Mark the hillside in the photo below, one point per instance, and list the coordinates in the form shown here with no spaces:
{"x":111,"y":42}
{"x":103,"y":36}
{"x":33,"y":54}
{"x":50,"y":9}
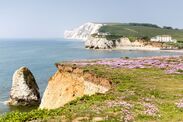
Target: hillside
{"x":107,"y":35}
{"x":139,"y":30}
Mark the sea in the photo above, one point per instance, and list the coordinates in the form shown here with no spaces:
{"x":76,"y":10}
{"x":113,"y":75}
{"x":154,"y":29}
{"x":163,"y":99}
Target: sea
{"x":40,"y":55}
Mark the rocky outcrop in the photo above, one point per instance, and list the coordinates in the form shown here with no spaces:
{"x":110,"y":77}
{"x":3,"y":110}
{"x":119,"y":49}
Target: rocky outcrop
{"x":83,"y":32}
{"x":98,"y":43}
{"x":24,"y":89}
{"x":122,"y":43}
{"x":69,"y":83}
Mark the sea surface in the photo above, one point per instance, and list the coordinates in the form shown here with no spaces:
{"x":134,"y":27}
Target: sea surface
{"x":39,"y":55}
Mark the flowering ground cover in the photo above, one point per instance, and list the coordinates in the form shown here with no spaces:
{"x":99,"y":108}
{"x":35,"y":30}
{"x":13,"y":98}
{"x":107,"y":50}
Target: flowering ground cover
{"x":169,"y":64}
{"x":144,"y":90}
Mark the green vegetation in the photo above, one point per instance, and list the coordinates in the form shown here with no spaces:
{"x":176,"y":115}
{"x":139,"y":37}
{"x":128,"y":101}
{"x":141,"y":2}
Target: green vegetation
{"x":179,"y":44}
{"x":131,"y":90}
{"x":135,"y":30}
{"x":145,"y":24}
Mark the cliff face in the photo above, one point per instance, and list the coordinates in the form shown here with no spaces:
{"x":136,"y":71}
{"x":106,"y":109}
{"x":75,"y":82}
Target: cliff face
{"x":69,"y":83}
{"x":83,"y":32}
{"x":98,"y":43}
{"x":122,"y":43}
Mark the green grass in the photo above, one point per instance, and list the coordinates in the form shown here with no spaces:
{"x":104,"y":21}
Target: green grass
{"x":129,"y":85}
{"x":133,"y":32}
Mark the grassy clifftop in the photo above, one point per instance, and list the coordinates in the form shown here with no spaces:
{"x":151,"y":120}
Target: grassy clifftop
{"x":140,"y":30}
{"x":133,"y":97}
{"x":138,"y":94}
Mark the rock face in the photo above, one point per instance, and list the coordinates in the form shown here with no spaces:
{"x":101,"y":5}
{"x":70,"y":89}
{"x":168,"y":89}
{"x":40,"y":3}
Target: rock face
{"x":98,"y":43}
{"x":83,"y":32}
{"x":24,"y":89}
{"x":69,"y":83}
{"x":122,"y":43}
{"x":94,"y":39}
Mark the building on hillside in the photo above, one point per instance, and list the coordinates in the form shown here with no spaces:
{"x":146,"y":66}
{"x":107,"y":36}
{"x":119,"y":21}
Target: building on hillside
{"x":101,"y":34}
{"x":163,"y":38}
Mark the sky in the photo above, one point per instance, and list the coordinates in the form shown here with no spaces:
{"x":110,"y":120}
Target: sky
{"x":49,"y":18}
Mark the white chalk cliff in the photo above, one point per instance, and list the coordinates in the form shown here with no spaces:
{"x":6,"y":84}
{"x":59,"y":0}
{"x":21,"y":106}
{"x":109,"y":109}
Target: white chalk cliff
{"x":83,"y":32}
{"x":99,"y":41}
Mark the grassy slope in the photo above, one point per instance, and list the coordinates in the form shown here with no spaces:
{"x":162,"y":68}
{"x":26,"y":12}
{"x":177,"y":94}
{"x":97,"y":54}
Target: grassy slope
{"x":140,"y":31}
{"x":130,"y":85}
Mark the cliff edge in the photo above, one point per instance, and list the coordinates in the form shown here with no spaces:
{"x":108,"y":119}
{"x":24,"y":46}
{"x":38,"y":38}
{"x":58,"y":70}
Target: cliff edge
{"x":83,"y":32}
{"x":69,"y":83}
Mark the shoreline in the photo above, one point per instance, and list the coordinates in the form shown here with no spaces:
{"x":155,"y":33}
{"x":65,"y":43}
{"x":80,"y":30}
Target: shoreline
{"x":139,"y":49}
{"x":178,"y":51}
{"x":131,"y":69}
{"x":129,"y":48}
{"x":135,"y":48}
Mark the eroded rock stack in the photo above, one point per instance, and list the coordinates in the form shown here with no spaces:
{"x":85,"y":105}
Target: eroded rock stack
{"x":24,"y":89}
{"x":69,"y":83}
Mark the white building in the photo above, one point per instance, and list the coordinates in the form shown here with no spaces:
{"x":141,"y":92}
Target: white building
{"x":163,"y":38}
{"x":103,"y":34}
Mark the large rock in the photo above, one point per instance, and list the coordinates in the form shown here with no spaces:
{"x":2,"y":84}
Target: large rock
{"x":123,"y":42}
{"x":24,"y":89}
{"x":69,"y":83}
{"x":99,"y":43}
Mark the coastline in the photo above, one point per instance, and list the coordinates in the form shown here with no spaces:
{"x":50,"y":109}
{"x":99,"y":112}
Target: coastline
{"x":49,"y":61}
{"x":130,"y":48}
{"x":139,"y":49}
{"x":119,"y":72}
{"x":98,"y":40}
{"x":178,"y":51}
{"x":147,"y":49}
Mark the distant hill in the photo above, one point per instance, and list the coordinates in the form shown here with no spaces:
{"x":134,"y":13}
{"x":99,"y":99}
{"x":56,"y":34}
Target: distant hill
{"x":98,"y":32}
{"x":140,"y":30}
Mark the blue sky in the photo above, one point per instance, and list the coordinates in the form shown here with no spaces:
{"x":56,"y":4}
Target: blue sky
{"x":49,"y":18}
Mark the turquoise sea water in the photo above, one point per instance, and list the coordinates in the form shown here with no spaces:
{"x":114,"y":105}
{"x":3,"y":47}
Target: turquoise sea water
{"x":40,"y":55}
